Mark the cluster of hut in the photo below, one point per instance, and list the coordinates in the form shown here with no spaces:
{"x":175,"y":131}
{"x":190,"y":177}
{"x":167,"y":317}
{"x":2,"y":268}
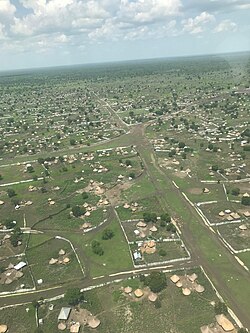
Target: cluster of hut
{"x":63,"y":258}
{"x":140,"y":293}
{"x":72,"y":319}
{"x":134,"y":206}
{"x":12,"y":273}
{"x":188,"y":283}
{"x":228,"y":215}
{"x":144,"y":229}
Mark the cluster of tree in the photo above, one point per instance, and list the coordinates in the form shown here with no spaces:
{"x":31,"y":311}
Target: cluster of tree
{"x":16,"y":236}
{"x":73,"y":296}
{"x":78,"y":211}
{"x":245,"y":201}
{"x":10,"y":192}
{"x":156,"y":281}
{"x":235,"y":191}
{"x":97,"y":248}
{"x":220,"y":308}
{"x":149,"y":217}
{"x":107,"y":234}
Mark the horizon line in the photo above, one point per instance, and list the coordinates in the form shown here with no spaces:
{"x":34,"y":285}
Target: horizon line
{"x":121,"y":61}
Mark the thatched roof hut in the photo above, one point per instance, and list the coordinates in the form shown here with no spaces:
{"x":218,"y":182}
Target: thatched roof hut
{"x":3,"y":328}
{"x":93,"y":322}
{"x":224,"y":323}
{"x":61,"y":326}
{"x":141,"y":224}
{"x":179,"y":284}
{"x":186,"y":291}
{"x":128,"y":290}
{"x":175,"y":278}
{"x":152,"y":297}
{"x":243,"y":227}
{"x":192,"y":277}
{"x":153,"y":228}
{"x":199,"y":288}
{"x":53,"y":261}
{"x":138,"y":293}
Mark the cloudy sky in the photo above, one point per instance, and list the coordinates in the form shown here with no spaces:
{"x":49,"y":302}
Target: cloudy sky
{"x":37,"y":33}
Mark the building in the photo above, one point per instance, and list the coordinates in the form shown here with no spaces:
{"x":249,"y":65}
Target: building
{"x":64,"y":313}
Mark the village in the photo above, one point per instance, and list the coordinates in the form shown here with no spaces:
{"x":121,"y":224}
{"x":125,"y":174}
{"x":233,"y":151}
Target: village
{"x":120,"y":203}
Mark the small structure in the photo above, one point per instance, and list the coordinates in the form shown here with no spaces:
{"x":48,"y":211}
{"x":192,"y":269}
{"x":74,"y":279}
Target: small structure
{"x":199,"y":288}
{"x":141,"y":224}
{"x":243,"y":227}
{"x":128,"y":290}
{"x":20,"y":265}
{"x":224,"y":323}
{"x":138,"y":293}
{"x":64,"y":313}
{"x":93,"y":322}
{"x":61,"y":326}
{"x":75,"y":328}
{"x":186,"y":291}
{"x":221,"y":214}
{"x":152,"y":297}
{"x":3,"y":328}
{"x":192,"y":277}
{"x":175,"y":278}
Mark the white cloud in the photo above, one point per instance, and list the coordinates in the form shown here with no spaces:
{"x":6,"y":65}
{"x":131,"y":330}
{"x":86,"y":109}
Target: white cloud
{"x":146,"y":11}
{"x":226,"y":25}
{"x":196,"y":25}
{"x":7,"y":10}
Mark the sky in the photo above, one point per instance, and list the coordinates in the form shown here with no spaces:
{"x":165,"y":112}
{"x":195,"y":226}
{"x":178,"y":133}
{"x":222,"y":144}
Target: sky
{"x":42,"y":33}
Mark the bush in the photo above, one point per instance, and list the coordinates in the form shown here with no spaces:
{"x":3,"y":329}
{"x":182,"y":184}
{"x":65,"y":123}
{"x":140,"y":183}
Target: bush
{"x":156,"y":281}
{"x":235,"y":191}
{"x":162,"y":253}
{"x":85,"y":195}
{"x":11,"y":193}
{"x":220,"y":308}
{"x":78,"y":211}
{"x":73,"y":296}
{"x":166,"y":217}
{"x":245,"y":201}
{"x":96,"y":248}
{"x":149,"y":217}
{"x":107,"y":234}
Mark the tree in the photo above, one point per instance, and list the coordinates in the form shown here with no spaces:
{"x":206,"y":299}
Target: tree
{"x":30,"y":169}
{"x":181,"y":145}
{"x":72,"y":142}
{"x":73,"y":296}
{"x":85,"y":195}
{"x":242,"y":330}
{"x":149,"y":217}
{"x":171,"y":228}
{"x":215,"y":168}
{"x":245,"y":201}
{"x":16,"y":236}
{"x":235,"y":191}
{"x":132,"y":175}
{"x":96,"y":248}
{"x":162,"y":253}
{"x":166,"y":217}
{"x":107,"y":234}
{"x":220,"y":308}
{"x":156,"y":281}
{"x":78,"y":211}
{"x":11,"y":193}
